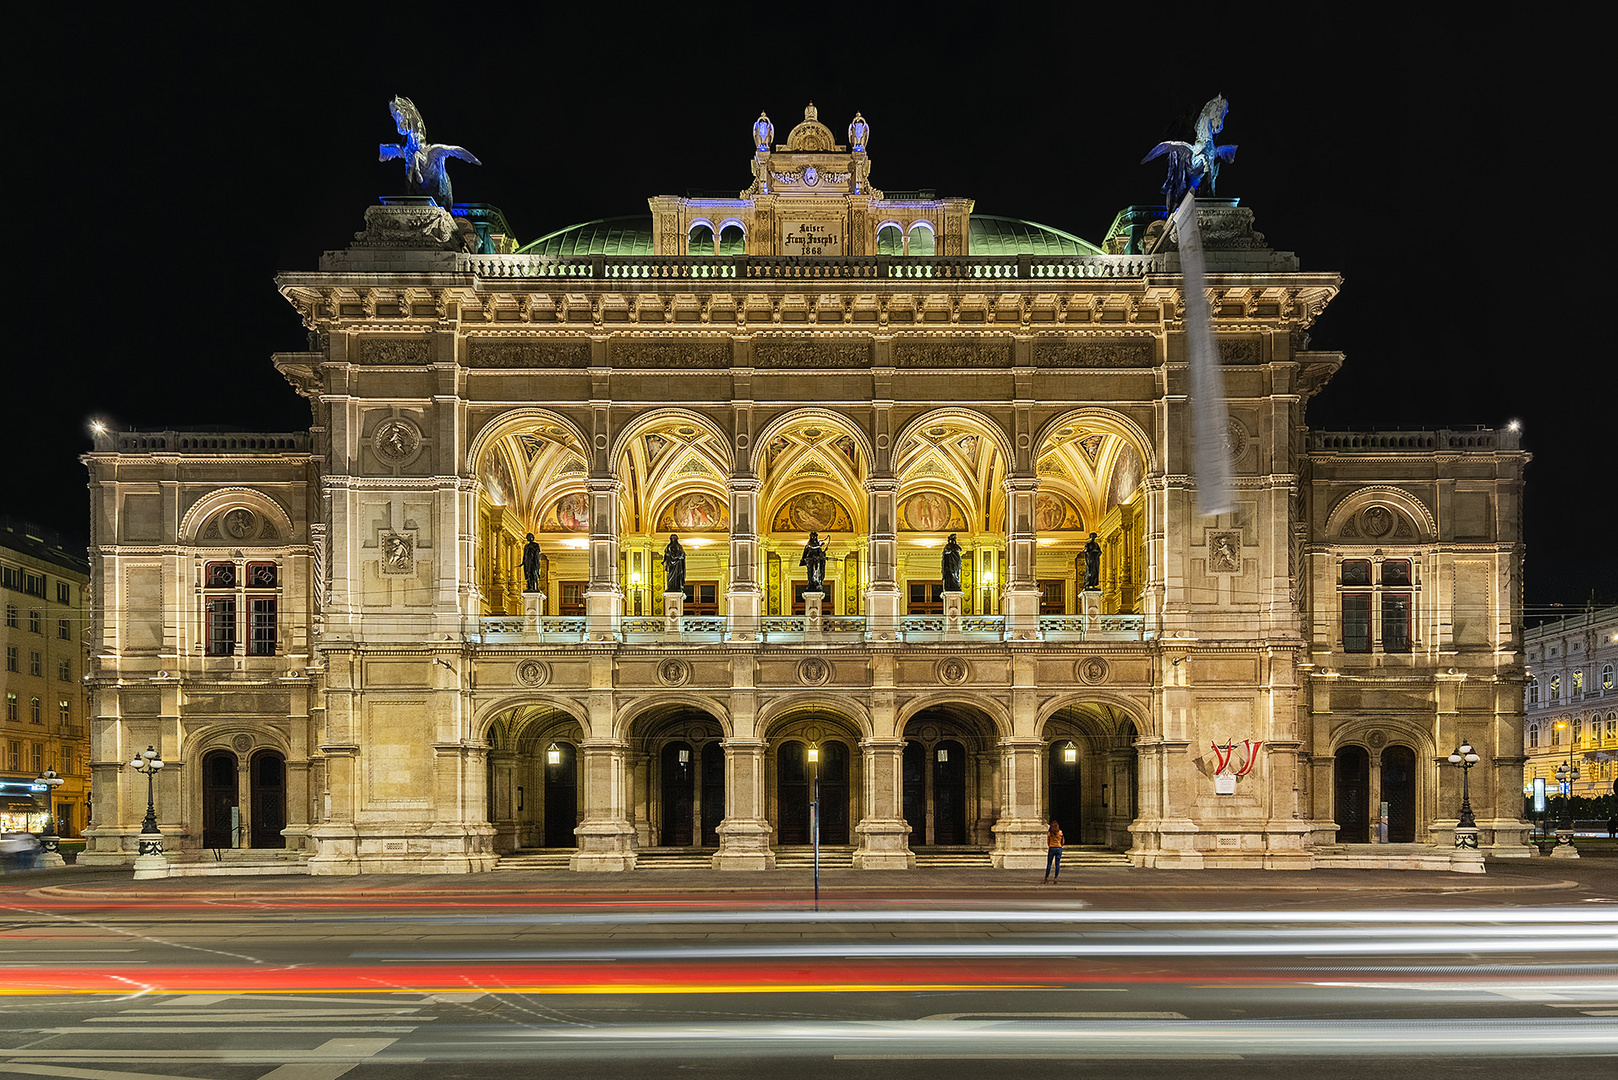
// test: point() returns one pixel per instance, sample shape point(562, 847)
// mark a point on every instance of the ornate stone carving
point(1224, 552)
point(669, 354)
point(1092, 671)
point(398, 554)
point(953, 671)
point(389, 351)
point(528, 354)
point(1376, 521)
point(1236, 438)
point(533, 673)
point(673, 672)
point(1238, 352)
point(804, 354)
point(811, 136)
point(938, 354)
point(813, 671)
point(1101, 354)
point(240, 523)
point(396, 440)
point(242, 743)
point(1376, 739)
point(417, 227)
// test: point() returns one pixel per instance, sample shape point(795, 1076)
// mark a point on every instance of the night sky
point(166, 170)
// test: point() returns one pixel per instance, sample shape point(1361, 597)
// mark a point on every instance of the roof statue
point(1190, 162)
point(424, 161)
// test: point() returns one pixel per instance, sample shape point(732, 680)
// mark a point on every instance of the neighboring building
point(1571, 701)
point(325, 633)
point(43, 581)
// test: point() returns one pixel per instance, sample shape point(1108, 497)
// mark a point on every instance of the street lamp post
point(1567, 774)
point(48, 839)
point(1466, 829)
point(814, 815)
point(149, 861)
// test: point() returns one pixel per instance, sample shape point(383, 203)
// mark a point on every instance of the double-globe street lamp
point(1567, 774)
point(151, 838)
point(1466, 829)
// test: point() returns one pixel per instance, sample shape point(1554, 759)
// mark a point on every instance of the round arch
point(793, 417)
point(624, 719)
point(488, 713)
point(1400, 499)
point(996, 711)
point(513, 421)
point(783, 711)
point(1111, 421)
point(221, 499)
point(958, 415)
point(656, 417)
point(1134, 709)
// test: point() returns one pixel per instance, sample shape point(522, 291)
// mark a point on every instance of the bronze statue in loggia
point(814, 561)
point(674, 566)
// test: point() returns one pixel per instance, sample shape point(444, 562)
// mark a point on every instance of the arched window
point(1556, 688)
point(1533, 690)
point(1578, 731)
point(1606, 678)
point(1612, 727)
point(1533, 737)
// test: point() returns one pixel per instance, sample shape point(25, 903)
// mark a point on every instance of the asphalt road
point(1145, 975)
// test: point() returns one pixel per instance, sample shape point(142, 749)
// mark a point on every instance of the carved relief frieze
point(669, 354)
point(939, 354)
point(398, 554)
point(528, 354)
point(387, 350)
point(396, 440)
point(1099, 354)
point(805, 354)
point(1238, 352)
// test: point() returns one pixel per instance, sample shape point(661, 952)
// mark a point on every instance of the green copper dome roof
point(632, 235)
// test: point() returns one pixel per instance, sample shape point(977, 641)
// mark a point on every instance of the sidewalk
point(1520, 882)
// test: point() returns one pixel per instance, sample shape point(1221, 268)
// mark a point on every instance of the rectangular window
point(64, 713)
point(34, 715)
point(33, 584)
point(11, 615)
point(262, 633)
point(220, 575)
point(1053, 597)
point(827, 605)
point(36, 663)
point(11, 658)
point(1356, 572)
point(926, 598)
point(262, 575)
point(64, 670)
point(572, 602)
point(1357, 622)
point(702, 598)
point(64, 593)
point(14, 756)
point(1396, 622)
point(67, 760)
point(39, 758)
point(33, 623)
point(64, 629)
point(221, 625)
point(11, 708)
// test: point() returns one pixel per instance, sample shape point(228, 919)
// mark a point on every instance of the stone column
point(605, 835)
point(882, 602)
point(1019, 835)
point(745, 595)
point(1021, 582)
point(744, 835)
point(883, 833)
point(603, 598)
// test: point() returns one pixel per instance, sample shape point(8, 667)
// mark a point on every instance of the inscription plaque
point(811, 238)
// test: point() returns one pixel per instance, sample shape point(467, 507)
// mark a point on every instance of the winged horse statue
point(1190, 162)
point(424, 161)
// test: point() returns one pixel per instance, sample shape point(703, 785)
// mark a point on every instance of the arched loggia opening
point(1091, 772)
point(533, 778)
point(804, 748)
point(949, 759)
point(679, 777)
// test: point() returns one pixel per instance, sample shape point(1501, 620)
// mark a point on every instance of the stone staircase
point(802, 858)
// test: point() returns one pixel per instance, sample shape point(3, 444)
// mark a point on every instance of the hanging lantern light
point(1070, 754)
point(553, 754)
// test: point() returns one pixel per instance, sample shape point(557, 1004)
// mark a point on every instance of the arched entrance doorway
point(1351, 780)
point(269, 799)
point(679, 777)
point(1399, 793)
point(1090, 773)
point(561, 795)
point(795, 788)
point(949, 759)
point(220, 799)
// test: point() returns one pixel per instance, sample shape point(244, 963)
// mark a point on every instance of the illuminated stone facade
point(811, 356)
point(1571, 701)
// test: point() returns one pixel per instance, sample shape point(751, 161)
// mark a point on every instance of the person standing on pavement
point(1053, 856)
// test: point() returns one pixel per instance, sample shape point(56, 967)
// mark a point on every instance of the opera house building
point(344, 650)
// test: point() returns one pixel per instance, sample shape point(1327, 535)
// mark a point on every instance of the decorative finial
point(424, 161)
point(810, 112)
point(763, 132)
point(858, 132)
point(1190, 162)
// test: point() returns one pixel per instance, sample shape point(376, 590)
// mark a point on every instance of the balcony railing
point(699, 629)
point(789, 268)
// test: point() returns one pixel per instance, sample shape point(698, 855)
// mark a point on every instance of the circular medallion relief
point(1376, 521)
point(813, 671)
point(673, 672)
point(242, 743)
point(240, 523)
point(1092, 671)
point(396, 440)
point(953, 671)
point(1377, 740)
point(533, 673)
point(1236, 437)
